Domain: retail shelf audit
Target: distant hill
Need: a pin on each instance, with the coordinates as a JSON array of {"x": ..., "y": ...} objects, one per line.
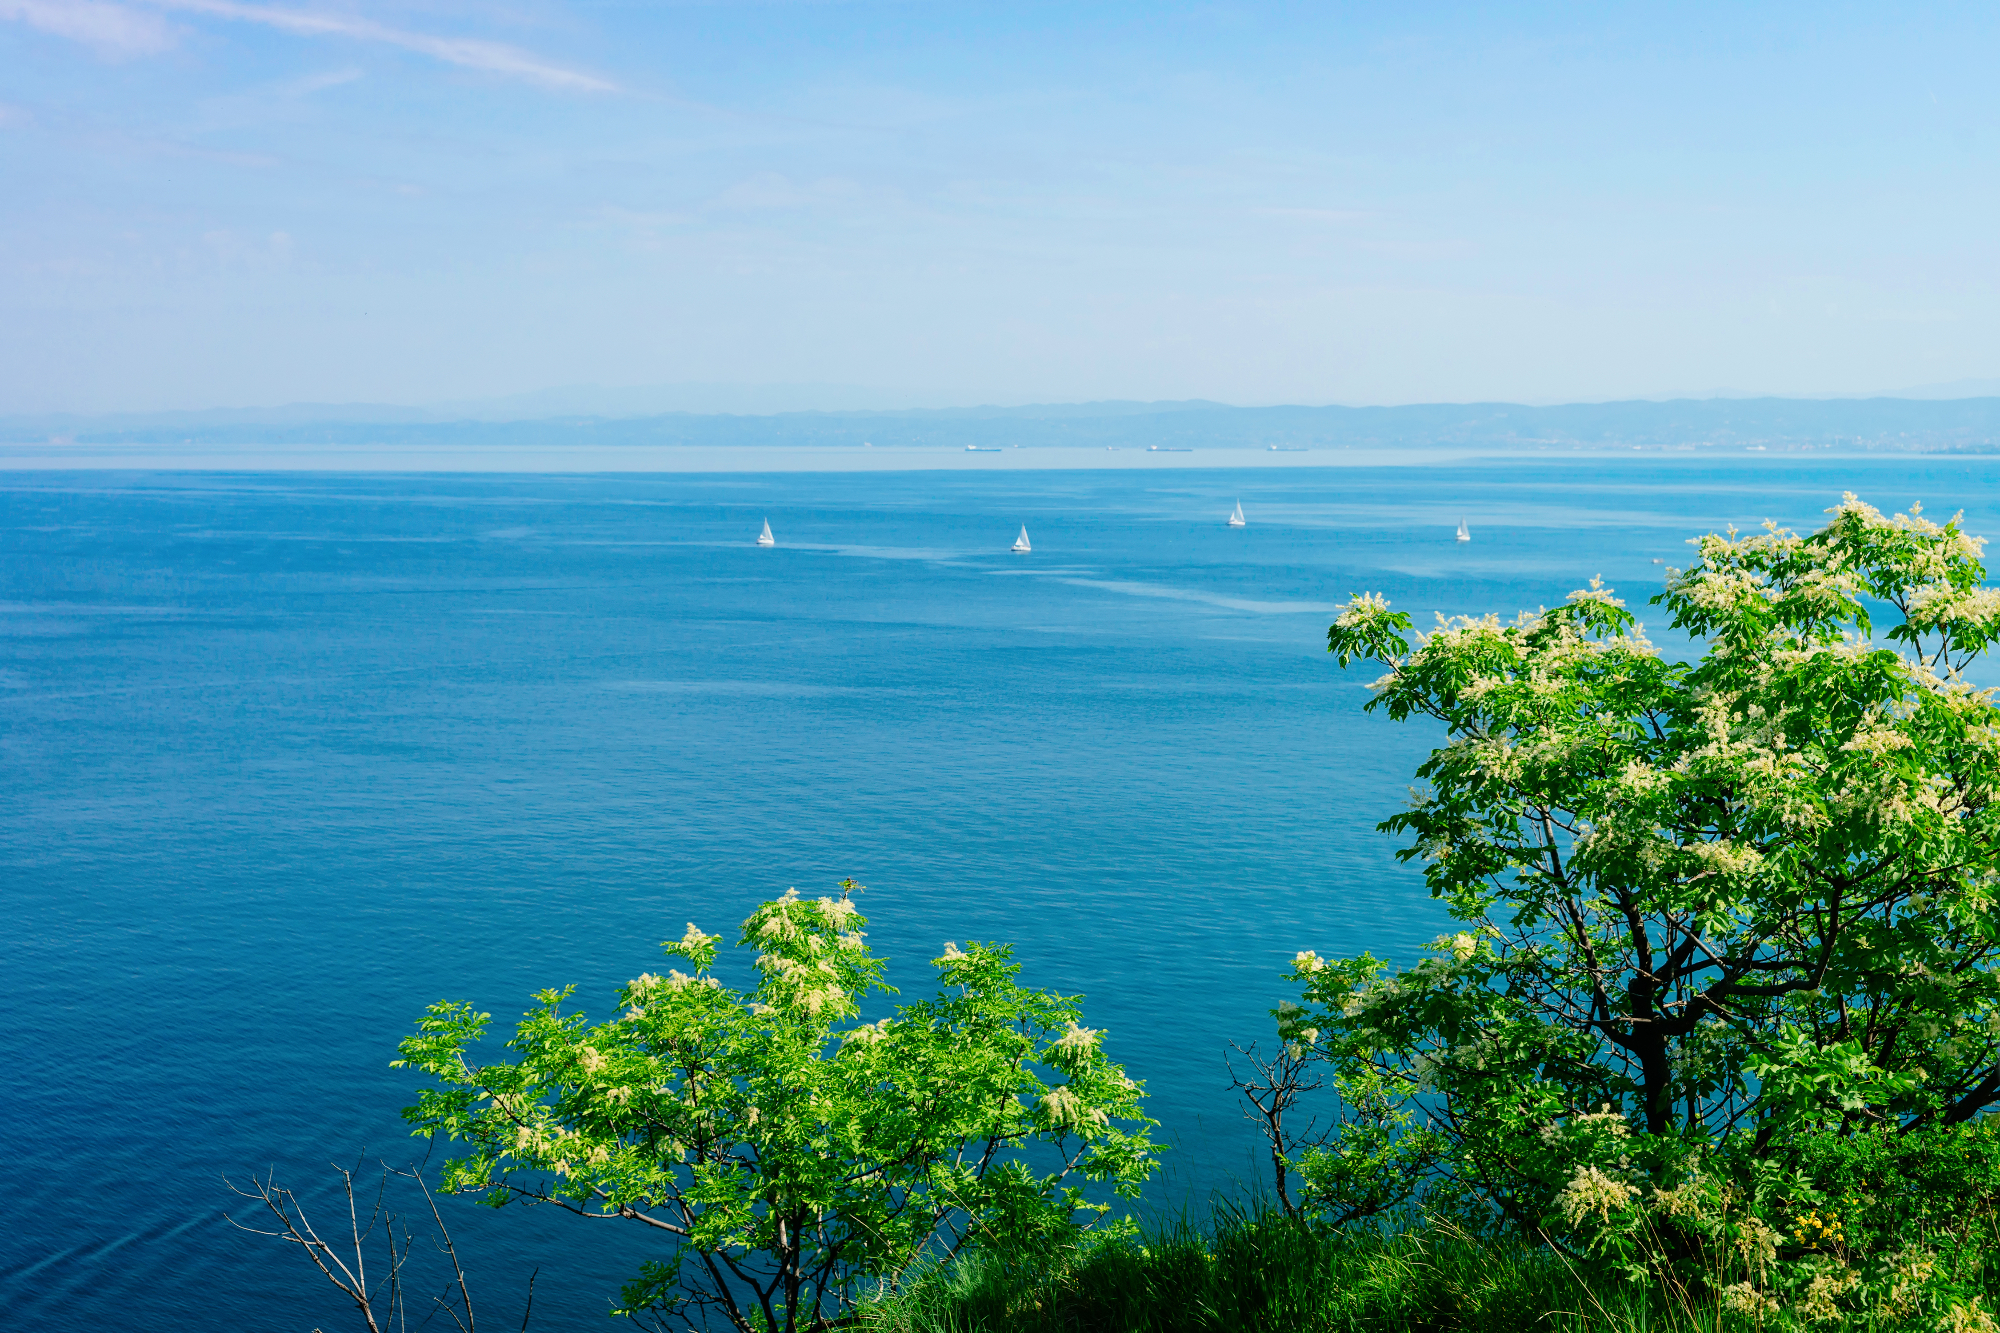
[{"x": 1955, "y": 425}]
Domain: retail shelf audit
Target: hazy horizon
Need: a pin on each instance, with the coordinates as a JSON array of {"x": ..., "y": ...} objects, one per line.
[{"x": 632, "y": 401}]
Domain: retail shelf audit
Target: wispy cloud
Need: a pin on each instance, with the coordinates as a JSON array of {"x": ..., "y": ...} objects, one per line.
[
  {"x": 110, "y": 30},
  {"x": 469, "y": 52},
  {"x": 123, "y": 30}
]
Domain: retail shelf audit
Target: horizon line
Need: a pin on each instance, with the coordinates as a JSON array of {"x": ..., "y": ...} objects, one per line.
[{"x": 470, "y": 411}]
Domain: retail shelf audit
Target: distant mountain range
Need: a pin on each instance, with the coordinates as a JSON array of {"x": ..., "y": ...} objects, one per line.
[{"x": 1920, "y": 424}]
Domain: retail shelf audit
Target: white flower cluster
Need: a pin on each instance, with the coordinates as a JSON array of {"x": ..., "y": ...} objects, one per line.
[
  {"x": 777, "y": 924},
  {"x": 1462, "y": 945},
  {"x": 1817, "y": 1305},
  {"x": 1969, "y": 1319},
  {"x": 1941, "y": 604},
  {"x": 1758, "y": 1244},
  {"x": 1591, "y": 1191},
  {"x": 1596, "y": 592},
  {"x": 1077, "y": 1040},
  {"x": 1360, "y": 609},
  {"x": 1066, "y": 1110},
  {"x": 868, "y": 1034},
  {"x": 1605, "y": 1119},
  {"x": 815, "y": 986},
  {"x": 1687, "y": 1200},
  {"x": 1744, "y": 1299},
  {"x": 1723, "y": 857},
  {"x": 1875, "y": 737}
]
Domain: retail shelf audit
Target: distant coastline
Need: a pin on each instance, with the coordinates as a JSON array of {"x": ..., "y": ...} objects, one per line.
[
  {"x": 1199, "y": 433},
  {"x": 1864, "y": 423}
]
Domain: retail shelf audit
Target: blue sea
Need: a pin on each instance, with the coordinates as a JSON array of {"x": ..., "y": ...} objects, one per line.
[{"x": 285, "y": 758}]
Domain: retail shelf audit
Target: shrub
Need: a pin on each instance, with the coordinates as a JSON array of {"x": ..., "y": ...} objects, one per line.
[
  {"x": 788, "y": 1155},
  {"x": 1730, "y": 900}
]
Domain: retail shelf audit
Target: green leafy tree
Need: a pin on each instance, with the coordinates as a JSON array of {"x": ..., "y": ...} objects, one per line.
[
  {"x": 1719, "y": 901},
  {"x": 791, "y": 1156}
]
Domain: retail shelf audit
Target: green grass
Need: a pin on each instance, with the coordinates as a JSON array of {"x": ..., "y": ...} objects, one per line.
[{"x": 1252, "y": 1273}]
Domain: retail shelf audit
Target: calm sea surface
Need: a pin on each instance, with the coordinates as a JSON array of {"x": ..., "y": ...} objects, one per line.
[{"x": 285, "y": 758}]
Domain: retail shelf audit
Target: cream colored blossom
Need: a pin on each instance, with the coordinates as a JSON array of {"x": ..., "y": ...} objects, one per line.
[
  {"x": 1817, "y": 1305},
  {"x": 1942, "y": 604},
  {"x": 1066, "y": 1110},
  {"x": 1723, "y": 857},
  {"x": 1969, "y": 1318},
  {"x": 1361, "y": 608},
  {"x": 1910, "y": 1270},
  {"x": 1642, "y": 778},
  {"x": 1606, "y": 1120},
  {"x": 867, "y": 1034},
  {"x": 1591, "y": 1191},
  {"x": 1596, "y": 592},
  {"x": 1686, "y": 1202},
  {"x": 1745, "y": 1300},
  {"x": 1077, "y": 1040},
  {"x": 1874, "y": 738},
  {"x": 1757, "y": 1244},
  {"x": 778, "y": 924},
  {"x": 818, "y": 998}
]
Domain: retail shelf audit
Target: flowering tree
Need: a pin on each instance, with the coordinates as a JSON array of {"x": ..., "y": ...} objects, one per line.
[
  {"x": 1708, "y": 900},
  {"x": 787, "y": 1153}
]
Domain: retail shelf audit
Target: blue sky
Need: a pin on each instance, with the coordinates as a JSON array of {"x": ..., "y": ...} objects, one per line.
[{"x": 212, "y": 203}]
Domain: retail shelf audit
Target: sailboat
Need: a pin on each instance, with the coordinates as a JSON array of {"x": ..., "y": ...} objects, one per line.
[
  {"x": 1021, "y": 546},
  {"x": 1464, "y": 533},
  {"x": 1236, "y": 519},
  {"x": 765, "y": 538}
]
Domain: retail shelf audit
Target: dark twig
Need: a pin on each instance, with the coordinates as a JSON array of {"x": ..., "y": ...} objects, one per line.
[
  {"x": 381, "y": 1303},
  {"x": 1272, "y": 1090}
]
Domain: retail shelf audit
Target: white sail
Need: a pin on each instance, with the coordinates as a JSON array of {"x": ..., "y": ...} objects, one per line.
[
  {"x": 1236, "y": 519},
  {"x": 1021, "y": 542},
  {"x": 765, "y": 538},
  {"x": 1464, "y": 533}
]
